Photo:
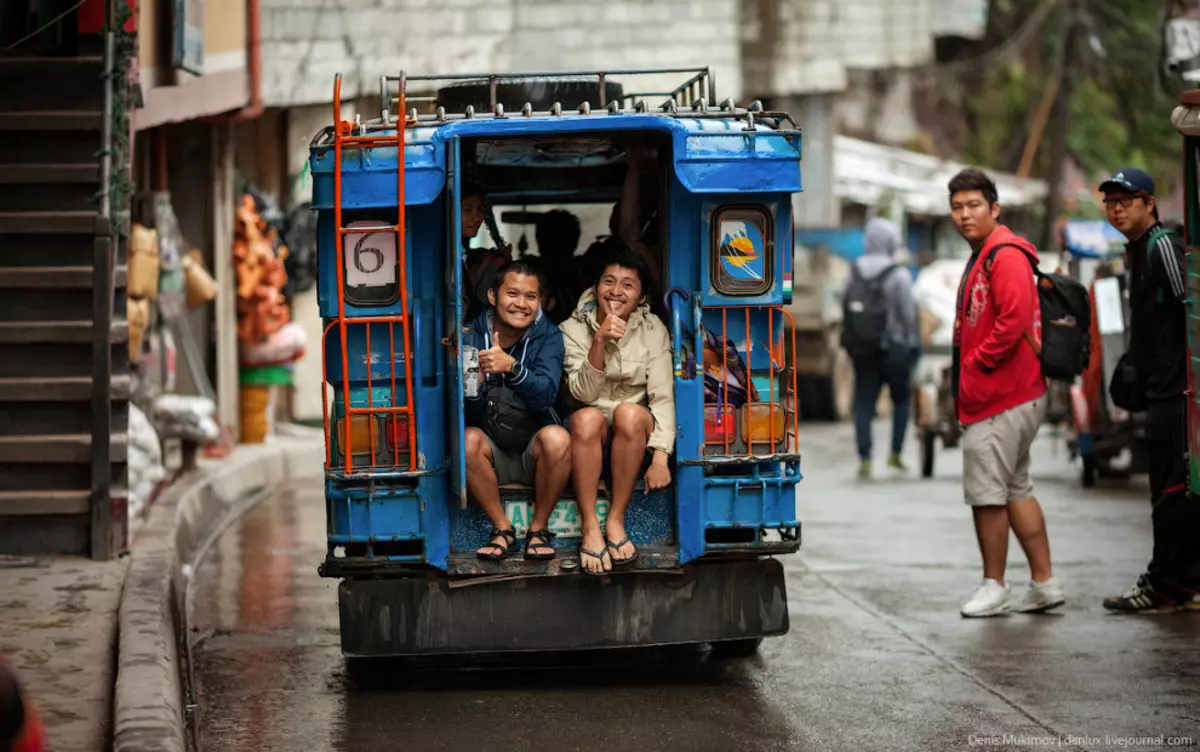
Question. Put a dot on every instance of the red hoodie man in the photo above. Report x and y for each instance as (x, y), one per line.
(1000, 396)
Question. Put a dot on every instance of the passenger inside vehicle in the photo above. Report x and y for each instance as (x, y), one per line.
(513, 434)
(633, 222)
(557, 238)
(617, 362)
(479, 264)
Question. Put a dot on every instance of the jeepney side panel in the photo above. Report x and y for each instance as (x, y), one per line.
(390, 512)
(729, 502)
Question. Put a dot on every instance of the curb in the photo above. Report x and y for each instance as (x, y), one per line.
(148, 712)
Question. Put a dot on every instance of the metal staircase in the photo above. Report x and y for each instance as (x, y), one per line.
(64, 364)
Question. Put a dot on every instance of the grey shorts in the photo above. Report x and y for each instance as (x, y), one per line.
(996, 455)
(513, 467)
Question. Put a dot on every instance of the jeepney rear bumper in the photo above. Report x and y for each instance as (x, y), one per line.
(705, 602)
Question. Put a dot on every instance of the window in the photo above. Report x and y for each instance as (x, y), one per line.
(372, 275)
(742, 249)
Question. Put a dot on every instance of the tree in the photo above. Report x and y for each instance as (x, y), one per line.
(1118, 113)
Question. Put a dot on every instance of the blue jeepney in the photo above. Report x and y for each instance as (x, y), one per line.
(402, 532)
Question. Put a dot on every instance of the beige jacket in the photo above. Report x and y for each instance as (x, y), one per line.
(637, 368)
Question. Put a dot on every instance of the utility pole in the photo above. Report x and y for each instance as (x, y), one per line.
(1068, 70)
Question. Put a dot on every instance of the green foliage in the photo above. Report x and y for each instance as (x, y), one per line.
(1119, 115)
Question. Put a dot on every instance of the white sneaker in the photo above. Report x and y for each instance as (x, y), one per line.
(989, 599)
(1040, 597)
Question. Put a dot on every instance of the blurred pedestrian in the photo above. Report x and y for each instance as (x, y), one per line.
(20, 727)
(1153, 378)
(1000, 397)
(879, 331)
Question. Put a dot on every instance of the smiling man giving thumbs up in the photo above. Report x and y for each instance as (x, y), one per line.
(618, 363)
(513, 433)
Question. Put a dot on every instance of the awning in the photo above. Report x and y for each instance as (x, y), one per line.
(864, 172)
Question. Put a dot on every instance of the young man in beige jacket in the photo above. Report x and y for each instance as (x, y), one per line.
(618, 363)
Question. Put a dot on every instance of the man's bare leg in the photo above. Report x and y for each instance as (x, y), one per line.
(483, 487)
(552, 460)
(631, 429)
(1025, 517)
(588, 431)
(991, 529)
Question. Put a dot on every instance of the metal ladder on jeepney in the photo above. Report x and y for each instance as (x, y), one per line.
(343, 137)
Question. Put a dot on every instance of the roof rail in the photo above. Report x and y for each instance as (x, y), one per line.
(699, 84)
(694, 97)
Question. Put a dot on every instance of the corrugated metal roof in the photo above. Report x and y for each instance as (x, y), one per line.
(864, 172)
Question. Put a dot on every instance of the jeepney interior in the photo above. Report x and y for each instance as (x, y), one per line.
(586, 176)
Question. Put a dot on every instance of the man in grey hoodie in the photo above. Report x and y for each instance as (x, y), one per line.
(892, 361)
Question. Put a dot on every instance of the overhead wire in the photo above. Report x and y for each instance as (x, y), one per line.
(45, 26)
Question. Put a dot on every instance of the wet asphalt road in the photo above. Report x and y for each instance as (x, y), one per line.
(877, 657)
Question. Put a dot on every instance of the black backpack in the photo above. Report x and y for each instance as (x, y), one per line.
(1066, 321)
(864, 313)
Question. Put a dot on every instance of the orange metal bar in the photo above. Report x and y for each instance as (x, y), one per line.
(392, 359)
(375, 320)
(343, 137)
(402, 262)
(373, 410)
(370, 394)
(771, 369)
(749, 370)
(724, 392)
(347, 449)
(779, 395)
(795, 383)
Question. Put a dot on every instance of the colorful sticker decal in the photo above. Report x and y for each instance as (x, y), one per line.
(742, 264)
(743, 256)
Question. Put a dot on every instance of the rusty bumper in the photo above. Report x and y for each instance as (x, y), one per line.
(704, 602)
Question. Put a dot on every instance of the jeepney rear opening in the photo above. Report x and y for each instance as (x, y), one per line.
(715, 193)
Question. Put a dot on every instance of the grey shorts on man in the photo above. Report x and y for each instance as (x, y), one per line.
(996, 455)
(514, 467)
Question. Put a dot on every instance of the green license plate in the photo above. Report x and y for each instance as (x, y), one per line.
(564, 521)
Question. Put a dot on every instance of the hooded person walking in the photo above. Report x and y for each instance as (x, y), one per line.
(879, 331)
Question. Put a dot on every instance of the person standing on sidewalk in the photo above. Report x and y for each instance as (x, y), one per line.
(1157, 360)
(880, 334)
(1000, 397)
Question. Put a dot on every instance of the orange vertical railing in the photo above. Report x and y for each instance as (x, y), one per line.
(791, 427)
(343, 136)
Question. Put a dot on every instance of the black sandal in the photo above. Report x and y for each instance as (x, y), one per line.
(598, 557)
(624, 562)
(502, 552)
(538, 539)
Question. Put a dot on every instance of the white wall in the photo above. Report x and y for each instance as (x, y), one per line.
(807, 46)
(306, 41)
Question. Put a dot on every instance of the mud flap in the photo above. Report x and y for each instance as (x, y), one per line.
(703, 603)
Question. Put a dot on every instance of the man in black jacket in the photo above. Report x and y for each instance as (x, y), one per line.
(1158, 355)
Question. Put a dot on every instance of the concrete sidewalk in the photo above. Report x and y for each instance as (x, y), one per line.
(59, 618)
(58, 629)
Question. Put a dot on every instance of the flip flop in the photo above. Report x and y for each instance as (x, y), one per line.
(624, 562)
(598, 557)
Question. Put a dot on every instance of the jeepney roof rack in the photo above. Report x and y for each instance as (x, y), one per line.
(693, 98)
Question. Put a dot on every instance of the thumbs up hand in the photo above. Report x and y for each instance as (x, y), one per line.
(613, 327)
(494, 359)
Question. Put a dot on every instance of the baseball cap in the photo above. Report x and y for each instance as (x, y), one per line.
(1129, 179)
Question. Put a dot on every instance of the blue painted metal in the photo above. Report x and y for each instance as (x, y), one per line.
(715, 164)
(458, 450)
(711, 157)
